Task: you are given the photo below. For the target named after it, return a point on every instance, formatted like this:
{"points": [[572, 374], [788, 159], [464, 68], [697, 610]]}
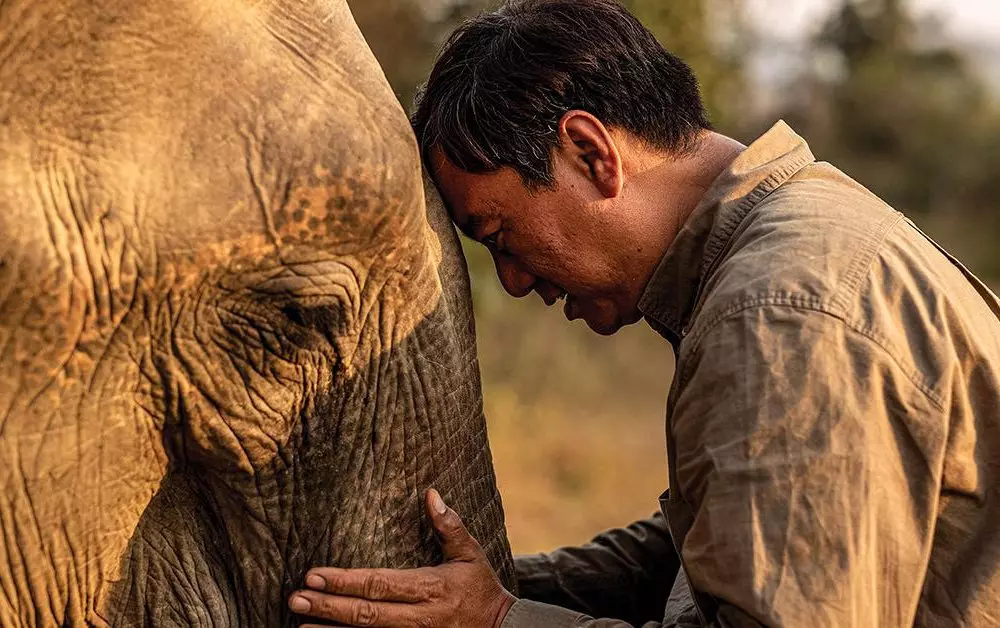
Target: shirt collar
{"points": [[672, 293]]}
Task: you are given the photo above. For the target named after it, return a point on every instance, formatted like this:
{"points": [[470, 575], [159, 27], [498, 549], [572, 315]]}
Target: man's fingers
{"points": [[354, 611], [389, 585], [456, 542]]}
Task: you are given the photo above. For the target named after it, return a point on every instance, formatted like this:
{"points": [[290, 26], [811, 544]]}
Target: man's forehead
{"points": [[470, 220], [466, 196]]}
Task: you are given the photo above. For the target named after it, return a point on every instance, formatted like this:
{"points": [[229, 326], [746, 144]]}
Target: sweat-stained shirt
{"points": [[833, 427]]}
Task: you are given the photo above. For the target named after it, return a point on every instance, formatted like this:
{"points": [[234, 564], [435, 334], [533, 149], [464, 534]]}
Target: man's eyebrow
{"points": [[464, 228], [473, 224]]}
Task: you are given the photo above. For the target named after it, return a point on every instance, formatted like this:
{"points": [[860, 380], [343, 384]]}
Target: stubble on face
{"points": [[553, 234]]}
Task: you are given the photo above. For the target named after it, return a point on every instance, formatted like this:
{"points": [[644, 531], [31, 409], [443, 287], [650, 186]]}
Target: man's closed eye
{"points": [[492, 241]]}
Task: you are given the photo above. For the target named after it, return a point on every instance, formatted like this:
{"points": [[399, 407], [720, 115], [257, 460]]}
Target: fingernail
{"points": [[437, 503], [299, 604], [315, 582]]}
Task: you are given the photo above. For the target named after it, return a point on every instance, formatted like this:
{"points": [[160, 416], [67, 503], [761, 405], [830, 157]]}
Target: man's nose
{"points": [[516, 281]]}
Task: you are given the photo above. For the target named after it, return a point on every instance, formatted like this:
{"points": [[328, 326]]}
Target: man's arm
{"points": [[678, 612], [807, 466], [625, 573]]}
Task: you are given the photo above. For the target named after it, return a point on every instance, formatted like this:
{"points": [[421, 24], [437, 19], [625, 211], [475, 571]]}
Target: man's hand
{"points": [[464, 592]]}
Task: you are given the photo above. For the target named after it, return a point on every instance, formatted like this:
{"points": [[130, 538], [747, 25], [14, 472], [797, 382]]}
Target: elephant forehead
{"points": [[248, 124], [347, 212], [324, 182], [244, 136], [303, 137], [347, 207]]}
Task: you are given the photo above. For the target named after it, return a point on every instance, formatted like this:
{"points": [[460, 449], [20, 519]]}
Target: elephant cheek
{"points": [[233, 401]]}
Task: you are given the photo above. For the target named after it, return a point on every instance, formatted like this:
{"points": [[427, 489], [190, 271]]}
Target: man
{"points": [[834, 421]]}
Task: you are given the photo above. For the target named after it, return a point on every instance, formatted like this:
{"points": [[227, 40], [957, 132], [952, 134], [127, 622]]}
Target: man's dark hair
{"points": [[504, 79]]}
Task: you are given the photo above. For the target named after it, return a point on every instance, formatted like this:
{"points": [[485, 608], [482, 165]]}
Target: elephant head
{"points": [[235, 341]]}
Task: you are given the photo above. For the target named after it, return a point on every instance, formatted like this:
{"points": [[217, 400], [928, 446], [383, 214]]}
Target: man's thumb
{"points": [[456, 542]]}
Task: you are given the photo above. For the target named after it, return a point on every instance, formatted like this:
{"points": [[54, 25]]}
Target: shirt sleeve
{"points": [[680, 613], [541, 579], [625, 573], [805, 473], [529, 614]]}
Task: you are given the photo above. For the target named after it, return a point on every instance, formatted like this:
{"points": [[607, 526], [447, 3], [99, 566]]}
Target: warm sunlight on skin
{"points": [[594, 237]]}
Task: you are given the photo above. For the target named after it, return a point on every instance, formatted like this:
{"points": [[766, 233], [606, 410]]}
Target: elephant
{"points": [[236, 332]]}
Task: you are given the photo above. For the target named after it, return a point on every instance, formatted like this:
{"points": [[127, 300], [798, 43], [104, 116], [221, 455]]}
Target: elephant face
{"points": [[235, 342]]}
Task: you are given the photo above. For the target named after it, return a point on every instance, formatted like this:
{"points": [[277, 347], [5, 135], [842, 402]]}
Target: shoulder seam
{"points": [[862, 261], [714, 252], [815, 305]]}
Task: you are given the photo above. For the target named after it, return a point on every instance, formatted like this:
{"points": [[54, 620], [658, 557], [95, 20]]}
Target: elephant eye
{"points": [[323, 320], [295, 314]]}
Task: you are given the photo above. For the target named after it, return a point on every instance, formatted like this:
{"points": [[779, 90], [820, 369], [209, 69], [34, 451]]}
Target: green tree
{"points": [[909, 119], [405, 35], [708, 35], [401, 33]]}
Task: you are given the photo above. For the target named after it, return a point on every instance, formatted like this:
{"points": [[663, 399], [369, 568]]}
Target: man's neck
{"points": [[684, 181], [665, 190]]}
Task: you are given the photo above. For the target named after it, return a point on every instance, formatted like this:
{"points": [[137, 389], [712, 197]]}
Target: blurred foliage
{"points": [[708, 35], [406, 34], [910, 118], [576, 420], [403, 37]]}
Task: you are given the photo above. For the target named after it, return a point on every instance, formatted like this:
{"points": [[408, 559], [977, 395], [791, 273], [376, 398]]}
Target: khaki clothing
{"points": [[833, 426]]}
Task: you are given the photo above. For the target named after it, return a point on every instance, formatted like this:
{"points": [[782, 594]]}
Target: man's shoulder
{"points": [[806, 245], [826, 247]]}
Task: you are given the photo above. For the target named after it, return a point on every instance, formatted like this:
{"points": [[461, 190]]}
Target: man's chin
{"points": [[601, 320], [614, 322], [606, 325], [604, 329]]}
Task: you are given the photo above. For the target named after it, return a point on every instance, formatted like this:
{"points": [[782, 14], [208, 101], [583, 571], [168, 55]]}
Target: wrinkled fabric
{"points": [[833, 427], [624, 573]]}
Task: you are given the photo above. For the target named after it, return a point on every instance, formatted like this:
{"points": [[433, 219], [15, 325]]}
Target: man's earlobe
{"points": [[596, 151], [590, 158], [606, 173]]}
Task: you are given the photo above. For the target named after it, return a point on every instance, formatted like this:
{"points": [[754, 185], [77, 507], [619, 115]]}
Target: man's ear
{"points": [[591, 147]]}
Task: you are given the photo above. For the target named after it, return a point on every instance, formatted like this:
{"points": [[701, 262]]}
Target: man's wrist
{"points": [[529, 614], [505, 605]]}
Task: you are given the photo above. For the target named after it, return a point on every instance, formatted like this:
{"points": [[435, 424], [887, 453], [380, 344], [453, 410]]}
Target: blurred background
{"points": [[904, 96]]}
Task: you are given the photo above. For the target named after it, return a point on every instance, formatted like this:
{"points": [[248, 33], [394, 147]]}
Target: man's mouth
{"points": [[570, 309], [549, 301]]}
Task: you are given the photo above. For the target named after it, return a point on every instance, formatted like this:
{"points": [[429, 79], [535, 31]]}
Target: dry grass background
{"points": [[576, 420]]}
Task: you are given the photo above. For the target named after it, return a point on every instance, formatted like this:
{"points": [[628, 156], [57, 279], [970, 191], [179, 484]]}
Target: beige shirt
{"points": [[833, 426]]}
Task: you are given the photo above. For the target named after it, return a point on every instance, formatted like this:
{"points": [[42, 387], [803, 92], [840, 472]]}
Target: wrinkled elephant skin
{"points": [[235, 342]]}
